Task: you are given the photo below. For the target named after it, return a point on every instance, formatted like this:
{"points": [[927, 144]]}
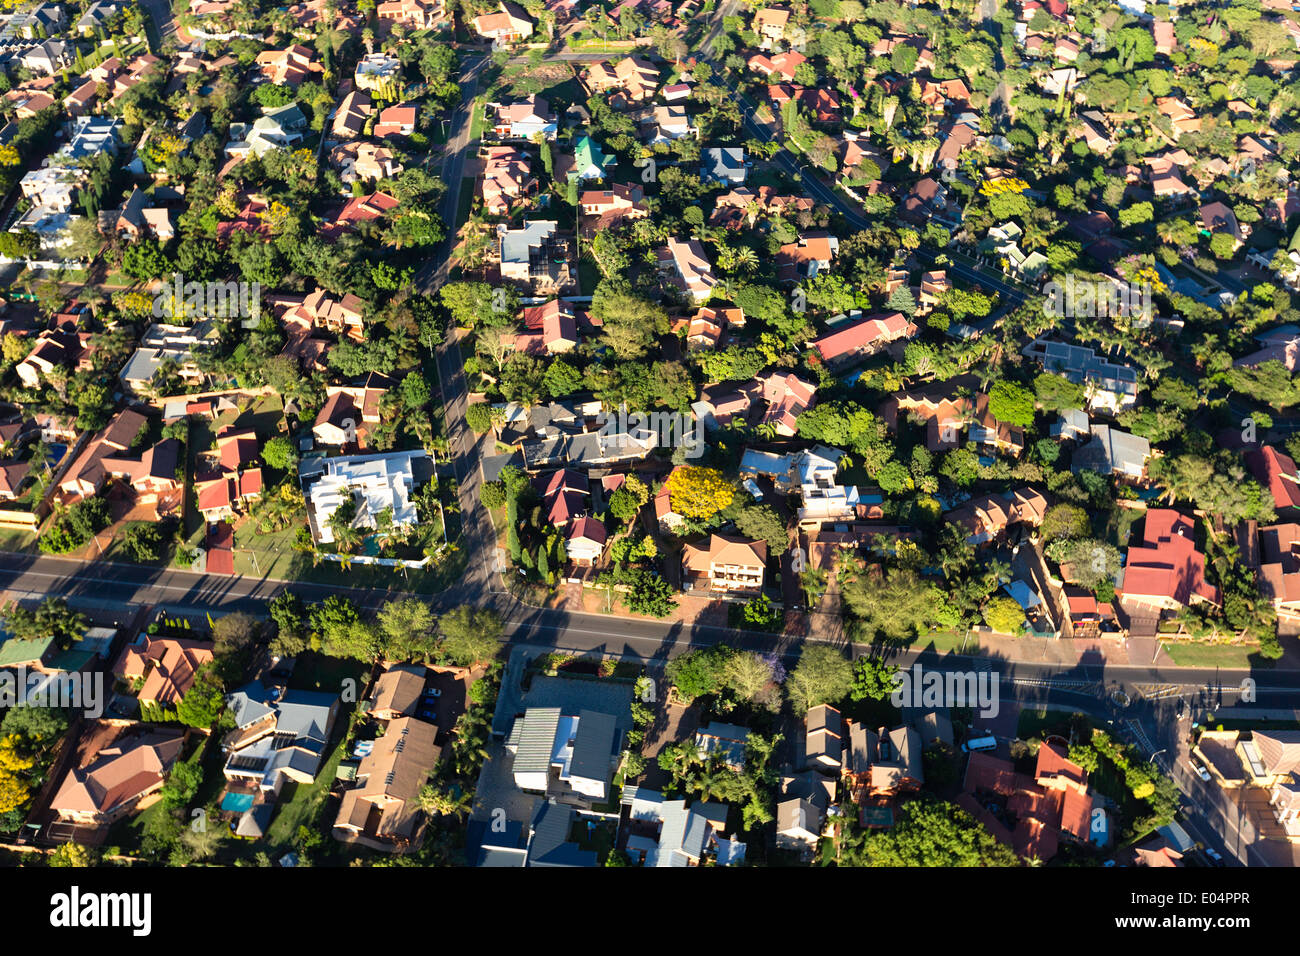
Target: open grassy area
{"points": [[301, 804], [947, 642], [1213, 655], [1042, 723], [14, 540]]}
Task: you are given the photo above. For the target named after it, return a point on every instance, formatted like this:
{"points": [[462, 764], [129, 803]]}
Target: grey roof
{"points": [[534, 736], [1112, 450], [550, 844], [725, 163], [1083, 365], [593, 746], [726, 739], [516, 244], [255, 821]]}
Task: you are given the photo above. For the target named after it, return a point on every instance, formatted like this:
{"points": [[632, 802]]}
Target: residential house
{"points": [[770, 23], [668, 833], [806, 258], [119, 779], [48, 57], [637, 78], [536, 255], [723, 165], [171, 345], [416, 14], [854, 341], [382, 809], [357, 210], [350, 118], [364, 163], [166, 667], [603, 209], [1109, 386], [1113, 452], [395, 121], [55, 351], [510, 24], [1278, 473], [568, 752], [290, 66], [397, 692], [989, 518], [279, 734], [824, 739], [377, 71], [507, 176], [585, 540], [525, 119], [685, 265], [1166, 572], [1279, 568], [783, 65], [589, 161], [726, 564], [1182, 118]]}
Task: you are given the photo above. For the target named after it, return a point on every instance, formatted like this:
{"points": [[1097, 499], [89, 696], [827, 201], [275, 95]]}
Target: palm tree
{"points": [[448, 803]]}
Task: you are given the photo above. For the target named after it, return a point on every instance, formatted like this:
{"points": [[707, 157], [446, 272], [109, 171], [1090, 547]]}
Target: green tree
{"points": [[1012, 404], [470, 634], [202, 703], [873, 679], [279, 453], [1004, 615], [822, 676]]}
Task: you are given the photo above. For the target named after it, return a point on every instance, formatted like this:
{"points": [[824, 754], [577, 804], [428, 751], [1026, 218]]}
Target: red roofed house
{"points": [[359, 209], [585, 541], [508, 25], [118, 779], [859, 339], [1166, 572], [604, 208], [707, 325], [1278, 472], [783, 64], [290, 66], [1030, 814], [807, 257], [1279, 571], [395, 121], [167, 665], [787, 395], [726, 564], [557, 324]]}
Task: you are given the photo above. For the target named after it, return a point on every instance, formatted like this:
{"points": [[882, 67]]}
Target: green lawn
{"points": [[1229, 656], [947, 642], [1038, 723], [301, 804], [14, 540]]}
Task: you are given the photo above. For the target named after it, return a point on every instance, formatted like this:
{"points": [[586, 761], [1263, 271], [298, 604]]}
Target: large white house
{"points": [[374, 482]]}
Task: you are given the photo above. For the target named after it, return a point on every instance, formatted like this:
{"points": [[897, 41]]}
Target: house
{"points": [[856, 340], [770, 23], [787, 396], [1277, 472], [97, 16], [723, 165], [669, 123], [55, 351], [86, 475], [824, 739], [279, 734], [590, 161], [535, 254], [1182, 118], [783, 65], [416, 14], [1162, 32], [1279, 568], [556, 321], [173, 345], [290, 66], [727, 564], [359, 209], [510, 24], [604, 209], [686, 267], [395, 121], [1113, 452], [707, 325], [636, 77], [381, 483], [804, 259], [1166, 572], [139, 218], [557, 751], [726, 742], [382, 809], [927, 200], [988, 519], [1030, 814], [119, 779], [364, 163], [1217, 217], [48, 57], [507, 176], [166, 666], [1109, 386], [350, 117], [280, 127], [799, 824], [668, 833], [585, 540], [524, 119], [397, 692], [377, 71], [884, 761]]}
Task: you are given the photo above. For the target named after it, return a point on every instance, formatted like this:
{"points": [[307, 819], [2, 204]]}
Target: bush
{"points": [[76, 526], [479, 418]]}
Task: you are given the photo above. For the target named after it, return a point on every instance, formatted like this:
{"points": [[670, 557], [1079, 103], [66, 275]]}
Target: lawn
{"points": [[12, 539], [1042, 723], [302, 803], [1230, 656], [947, 642]]}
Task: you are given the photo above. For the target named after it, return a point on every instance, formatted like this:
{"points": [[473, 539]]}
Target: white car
{"points": [[1200, 770]]}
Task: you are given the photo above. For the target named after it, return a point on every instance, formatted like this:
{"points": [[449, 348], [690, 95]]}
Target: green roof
{"points": [[588, 153], [14, 652]]}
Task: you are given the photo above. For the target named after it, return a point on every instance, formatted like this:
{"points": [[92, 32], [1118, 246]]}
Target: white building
{"points": [[579, 751], [374, 482]]}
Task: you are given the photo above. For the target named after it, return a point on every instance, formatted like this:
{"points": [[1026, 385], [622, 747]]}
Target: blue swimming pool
{"points": [[237, 802]]}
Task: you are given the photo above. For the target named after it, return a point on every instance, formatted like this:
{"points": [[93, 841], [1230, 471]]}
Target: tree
{"points": [[895, 604], [73, 855], [1004, 615], [961, 466], [748, 674], [628, 498], [873, 679], [290, 617], [822, 676], [142, 541], [927, 833], [699, 493], [202, 703], [699, 673], [1064, 521], [407, 627], [650, 594], [479, 418], [279, 453], [1012, 404], [52, 618], [470, 634], [1057, 393], [762, 523]]}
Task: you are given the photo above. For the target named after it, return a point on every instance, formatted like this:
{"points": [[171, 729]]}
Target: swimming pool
{"points": [[237, 802]]}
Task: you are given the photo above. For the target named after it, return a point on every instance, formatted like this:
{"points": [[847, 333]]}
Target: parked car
{"points": [[978, 743], [1216, 858], [1199, 768]]}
